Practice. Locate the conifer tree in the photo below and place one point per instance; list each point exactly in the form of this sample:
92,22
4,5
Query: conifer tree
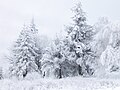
25,52
80,34
52,60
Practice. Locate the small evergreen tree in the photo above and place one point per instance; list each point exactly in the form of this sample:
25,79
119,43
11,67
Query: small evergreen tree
56,60
52,60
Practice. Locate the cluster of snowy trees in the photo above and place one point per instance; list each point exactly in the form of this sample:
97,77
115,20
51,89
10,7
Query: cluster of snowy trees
69,56
80,52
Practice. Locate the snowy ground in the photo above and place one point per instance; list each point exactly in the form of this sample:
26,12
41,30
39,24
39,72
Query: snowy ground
75,83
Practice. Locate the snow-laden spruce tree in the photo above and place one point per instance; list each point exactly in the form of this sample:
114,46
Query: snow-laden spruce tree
81,34
25,52
52,60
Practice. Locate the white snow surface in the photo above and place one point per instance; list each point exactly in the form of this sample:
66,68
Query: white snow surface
71,83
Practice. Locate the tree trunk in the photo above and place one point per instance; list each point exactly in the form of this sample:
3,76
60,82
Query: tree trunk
60,74
43,74
24,74
80,70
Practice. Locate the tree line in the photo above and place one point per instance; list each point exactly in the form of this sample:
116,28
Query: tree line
73,55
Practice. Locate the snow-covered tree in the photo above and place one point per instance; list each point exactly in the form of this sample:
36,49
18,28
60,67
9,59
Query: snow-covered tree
25,53
102,30
52,60
81,34
110,58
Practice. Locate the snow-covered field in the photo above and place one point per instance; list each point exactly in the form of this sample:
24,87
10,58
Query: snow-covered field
73,83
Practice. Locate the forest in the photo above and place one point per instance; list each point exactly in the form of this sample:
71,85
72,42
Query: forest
84,51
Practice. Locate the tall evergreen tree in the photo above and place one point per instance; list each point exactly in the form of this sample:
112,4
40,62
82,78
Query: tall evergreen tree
25,52
80,34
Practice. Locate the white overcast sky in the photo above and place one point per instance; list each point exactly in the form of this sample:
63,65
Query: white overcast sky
50,15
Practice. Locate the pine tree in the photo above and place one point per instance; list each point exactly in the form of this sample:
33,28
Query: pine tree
25,52
80,34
